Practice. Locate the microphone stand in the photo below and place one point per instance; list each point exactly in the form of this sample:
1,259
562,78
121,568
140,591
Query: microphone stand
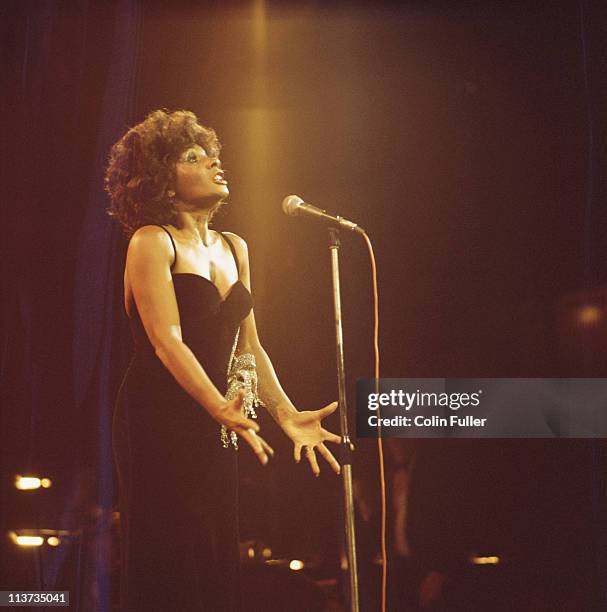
346,445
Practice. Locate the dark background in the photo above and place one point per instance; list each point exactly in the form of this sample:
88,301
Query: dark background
468,139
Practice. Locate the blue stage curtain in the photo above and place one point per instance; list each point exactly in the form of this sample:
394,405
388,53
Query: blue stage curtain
73,79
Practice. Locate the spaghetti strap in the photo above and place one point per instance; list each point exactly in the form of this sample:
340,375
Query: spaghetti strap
233,251
173,243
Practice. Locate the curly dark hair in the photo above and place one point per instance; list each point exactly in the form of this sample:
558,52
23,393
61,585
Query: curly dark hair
141,169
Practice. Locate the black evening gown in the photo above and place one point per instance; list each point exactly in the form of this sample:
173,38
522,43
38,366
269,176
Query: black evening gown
177,483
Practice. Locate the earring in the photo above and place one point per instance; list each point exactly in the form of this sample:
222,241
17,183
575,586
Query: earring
170,193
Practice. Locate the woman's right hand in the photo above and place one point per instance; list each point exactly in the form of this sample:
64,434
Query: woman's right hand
231,415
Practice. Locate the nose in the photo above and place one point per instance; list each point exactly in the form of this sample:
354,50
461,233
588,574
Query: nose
215,163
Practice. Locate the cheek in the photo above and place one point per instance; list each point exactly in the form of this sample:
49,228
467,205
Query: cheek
189,182
185,181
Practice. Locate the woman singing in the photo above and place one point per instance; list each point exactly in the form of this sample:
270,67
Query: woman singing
187,296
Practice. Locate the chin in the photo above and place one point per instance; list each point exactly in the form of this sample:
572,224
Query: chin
211,202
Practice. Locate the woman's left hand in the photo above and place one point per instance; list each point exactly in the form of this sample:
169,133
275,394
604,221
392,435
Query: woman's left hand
308,435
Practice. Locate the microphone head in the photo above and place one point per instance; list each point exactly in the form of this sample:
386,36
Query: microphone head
291,204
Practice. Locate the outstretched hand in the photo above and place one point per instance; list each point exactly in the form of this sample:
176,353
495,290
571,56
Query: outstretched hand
308,435
231,415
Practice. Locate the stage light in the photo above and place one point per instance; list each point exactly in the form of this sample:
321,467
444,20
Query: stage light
589,314
24,540
296,565
266,553
37,537
25,483
29,483
493,560
251,552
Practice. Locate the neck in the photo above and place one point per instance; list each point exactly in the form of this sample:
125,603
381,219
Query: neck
194,225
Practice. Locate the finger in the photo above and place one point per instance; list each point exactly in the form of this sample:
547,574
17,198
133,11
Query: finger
254,441
327,410
326,453
329,436
250,424
297,453
266,446
238,399
311,456
243,422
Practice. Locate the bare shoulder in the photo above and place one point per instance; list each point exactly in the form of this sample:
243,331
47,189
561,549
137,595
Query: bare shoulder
151,241
239,243
242,255
149,233
149,236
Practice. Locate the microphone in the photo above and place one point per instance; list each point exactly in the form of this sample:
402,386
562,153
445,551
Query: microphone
293,205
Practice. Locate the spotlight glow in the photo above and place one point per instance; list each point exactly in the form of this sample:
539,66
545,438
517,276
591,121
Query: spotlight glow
296,565
493,560
38,537
27,540
26,483
589,314
30,483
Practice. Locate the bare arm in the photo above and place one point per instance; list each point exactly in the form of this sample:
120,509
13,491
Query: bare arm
273,395
304,428
148,261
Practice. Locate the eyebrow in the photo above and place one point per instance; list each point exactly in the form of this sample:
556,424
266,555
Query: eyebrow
197,148
189,150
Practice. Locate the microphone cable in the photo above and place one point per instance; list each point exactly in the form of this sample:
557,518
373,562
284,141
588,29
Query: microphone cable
380,447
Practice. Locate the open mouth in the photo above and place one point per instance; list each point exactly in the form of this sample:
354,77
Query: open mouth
218,178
